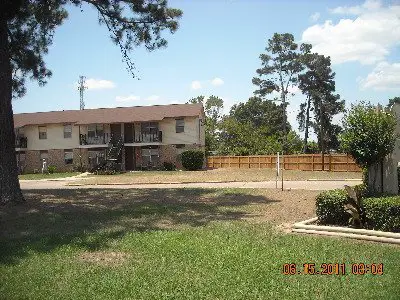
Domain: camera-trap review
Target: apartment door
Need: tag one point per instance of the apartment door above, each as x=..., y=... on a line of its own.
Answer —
x=115, y=130
x=129, y=158
x=128, y=132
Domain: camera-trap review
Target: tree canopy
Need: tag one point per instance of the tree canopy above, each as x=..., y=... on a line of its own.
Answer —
x=130, y=23
x=369, y=134
x=318, y=84
x=213, y=106
x=255, y=127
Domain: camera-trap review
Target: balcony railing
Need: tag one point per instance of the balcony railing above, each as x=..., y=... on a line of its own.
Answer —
x=106, y=137
x=21, y=142
x=144, y=138
x=102, y=139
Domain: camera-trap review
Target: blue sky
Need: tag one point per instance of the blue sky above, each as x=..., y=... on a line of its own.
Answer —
x=216, y=52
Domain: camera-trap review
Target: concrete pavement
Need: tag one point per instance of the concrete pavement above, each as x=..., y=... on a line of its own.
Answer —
x=303, y=185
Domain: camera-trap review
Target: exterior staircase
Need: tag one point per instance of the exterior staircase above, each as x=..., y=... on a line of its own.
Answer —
x=113, y=157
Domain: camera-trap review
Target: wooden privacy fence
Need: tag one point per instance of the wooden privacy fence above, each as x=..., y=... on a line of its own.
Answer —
x=303, y=162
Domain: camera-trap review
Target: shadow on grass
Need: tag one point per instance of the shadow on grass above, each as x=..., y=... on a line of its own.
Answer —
x=92, y=219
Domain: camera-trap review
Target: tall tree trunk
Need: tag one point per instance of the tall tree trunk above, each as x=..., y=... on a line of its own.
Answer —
x=306, y=125
x=10, y=190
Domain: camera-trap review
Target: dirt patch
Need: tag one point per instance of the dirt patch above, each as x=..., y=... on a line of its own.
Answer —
x=104, y=258
x=284, y=228
x=216, y=175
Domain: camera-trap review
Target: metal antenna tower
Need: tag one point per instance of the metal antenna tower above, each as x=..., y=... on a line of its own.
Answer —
x=81, y=89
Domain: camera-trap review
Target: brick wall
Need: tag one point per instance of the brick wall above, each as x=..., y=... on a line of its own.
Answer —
x=32, y=161
x=169, y=153
x=81, y=159
x=56, y=158
x=138, y=157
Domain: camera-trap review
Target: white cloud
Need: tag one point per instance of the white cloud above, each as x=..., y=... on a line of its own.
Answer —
x=130, y=98
x=367, y=38
x=217, y=81
x=315, y=17
x=99, y=84
x=385, y=76
x=152, y=98
x=358, y=9
x=196, y=85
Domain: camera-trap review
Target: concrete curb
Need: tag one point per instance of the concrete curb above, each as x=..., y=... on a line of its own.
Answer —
x=360, y=234
x=348, y=179
x=151, y=183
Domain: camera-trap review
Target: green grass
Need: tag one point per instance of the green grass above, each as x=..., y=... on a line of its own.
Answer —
x=174, y=244
x=46, y=176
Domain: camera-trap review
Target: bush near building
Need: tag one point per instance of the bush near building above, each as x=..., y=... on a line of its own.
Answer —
x=192, y=160
x=382, y=213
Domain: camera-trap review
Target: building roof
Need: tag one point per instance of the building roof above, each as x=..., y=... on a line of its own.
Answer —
x=109, y=115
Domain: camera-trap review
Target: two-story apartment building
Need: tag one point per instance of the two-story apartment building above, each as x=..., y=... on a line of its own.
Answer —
x=72, y=139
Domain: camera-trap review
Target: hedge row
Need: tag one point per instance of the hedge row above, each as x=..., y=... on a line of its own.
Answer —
x=381, y=213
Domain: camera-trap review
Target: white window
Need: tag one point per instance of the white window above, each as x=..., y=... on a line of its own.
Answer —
x=42, y=132
x=68, y=157
x=149, y=127
x=67, y=131
x=180, y=125
x=96, y=157
x=95, y=130
x=150, y=155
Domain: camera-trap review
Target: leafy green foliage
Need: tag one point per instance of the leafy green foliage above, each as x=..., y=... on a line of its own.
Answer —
x=393, y=101
x=354, y=206
x=261, y=113
x=256, y=127
x=169, y=166
x=51, y=169
x=192, y=159
x=383, y=213
x=318, y=84
x=32, y=26
x=242, y=138
x=213, y=110
x=329, y=207
x=369, y=134
x=279, y=67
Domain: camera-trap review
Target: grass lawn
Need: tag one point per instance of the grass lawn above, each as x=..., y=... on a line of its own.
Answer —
x=177, y=244
x=46, y=176
x=247, y=175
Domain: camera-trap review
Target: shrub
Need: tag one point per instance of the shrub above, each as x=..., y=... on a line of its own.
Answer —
x=192, y=159
x=168, y=166
x=51, y=169
x=329, y=206
x=383, y=213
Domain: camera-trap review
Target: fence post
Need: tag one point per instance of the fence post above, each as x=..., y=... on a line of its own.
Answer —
x=312, y=162
x=259, y=162
x=347, y=162
x=330, y=162
x=298, y=162
x=248, y=161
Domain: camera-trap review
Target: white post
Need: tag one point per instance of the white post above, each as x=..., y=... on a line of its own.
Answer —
x=277, y=170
